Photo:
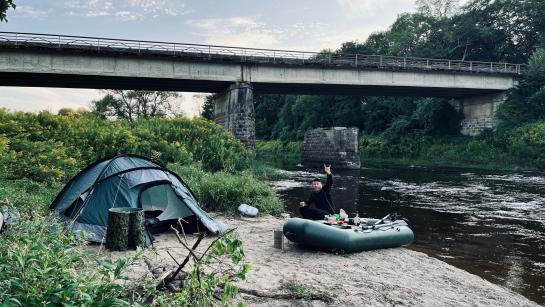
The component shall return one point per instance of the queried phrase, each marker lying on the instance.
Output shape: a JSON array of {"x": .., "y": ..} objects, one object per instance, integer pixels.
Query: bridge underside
[
  {"x": 210, "y": 86},
  {"x": 236, "y": 82}
]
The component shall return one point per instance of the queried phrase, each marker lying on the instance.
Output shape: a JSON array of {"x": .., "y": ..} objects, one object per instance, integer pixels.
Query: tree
[
  {"x": 267, "y": 109},
  {"x": 208, "y": 107},
  {"x": 503, "y": 30},
  {"x": 5, "y": 5},
  {"x": 437, "y": 8},
  {"x": 526, "y": 102},
  {"x": 71, "y": 111},
  {"x": 133, "y": 105}
]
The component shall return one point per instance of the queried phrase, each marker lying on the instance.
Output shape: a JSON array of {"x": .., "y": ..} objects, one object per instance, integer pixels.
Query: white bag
[
  {"x": 343, "y": 215},
  {"x": 248, "y": 210}
]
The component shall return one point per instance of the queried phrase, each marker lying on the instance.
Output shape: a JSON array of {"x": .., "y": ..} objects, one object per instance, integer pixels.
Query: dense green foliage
[
  {"x": 283, "y": 155},
  {"x": 526, "y": 102},
  {"x": 201, "y": 287},
  {"x": 42, "y": 265},
  {"x": 520, "y": 147},
  {"x": 428, "y": 129},
  {"x": 46, "y": 147},
  {"x": 208, "y": 107},
  {"x": 31, "y": 198},
  {"x": 51, "y": 149},
  {"x": 223, "y": 192}
]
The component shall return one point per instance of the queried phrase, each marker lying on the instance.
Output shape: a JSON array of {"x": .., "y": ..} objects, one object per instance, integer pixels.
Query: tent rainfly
[{"x": 129, "y": 181}]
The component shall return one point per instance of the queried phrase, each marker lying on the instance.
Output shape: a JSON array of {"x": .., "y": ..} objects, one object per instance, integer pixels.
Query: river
[{"x": 488, "y": 223}]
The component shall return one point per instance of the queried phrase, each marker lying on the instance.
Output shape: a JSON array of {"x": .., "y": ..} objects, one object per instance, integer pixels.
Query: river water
[{"x": 488, "y": 223}]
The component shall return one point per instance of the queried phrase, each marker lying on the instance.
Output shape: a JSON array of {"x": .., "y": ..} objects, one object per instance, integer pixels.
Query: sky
[{"x": 307, "y": 25}]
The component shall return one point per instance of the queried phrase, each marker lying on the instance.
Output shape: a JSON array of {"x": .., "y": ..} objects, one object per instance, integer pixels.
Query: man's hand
[
  {"x": 327, "y": 169},
  {"x": 302, "y": 204}
]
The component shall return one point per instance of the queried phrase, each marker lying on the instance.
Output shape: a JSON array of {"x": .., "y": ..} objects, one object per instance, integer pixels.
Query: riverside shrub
[
  {"x": 224, "y": 192},
  {"x": 30, "y": 198},
  {"x": 42, "y": 265},
  {"x": 46, "y": 147},
  {"x": 278, "y": 152}
]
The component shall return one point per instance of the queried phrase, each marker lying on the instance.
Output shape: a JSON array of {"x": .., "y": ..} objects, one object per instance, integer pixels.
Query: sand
[{"x": 388, "y": 277}]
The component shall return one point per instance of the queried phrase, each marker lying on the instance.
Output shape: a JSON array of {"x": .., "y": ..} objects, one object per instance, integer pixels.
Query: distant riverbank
[{"x": 519, "y": 150}]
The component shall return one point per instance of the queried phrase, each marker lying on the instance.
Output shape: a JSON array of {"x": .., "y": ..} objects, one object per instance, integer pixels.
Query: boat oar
[{"x": 382, "y": 219}]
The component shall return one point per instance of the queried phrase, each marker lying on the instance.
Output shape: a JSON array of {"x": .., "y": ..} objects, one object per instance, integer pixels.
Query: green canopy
[{"x": 127, "y": 181}]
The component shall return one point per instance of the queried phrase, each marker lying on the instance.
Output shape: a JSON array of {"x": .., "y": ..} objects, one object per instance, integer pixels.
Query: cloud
[
  {"x": 242, "y": 31},
  {"x": 27, "y": 11},
  {"x": 237, "y": 31},
  {"x": 32, "y": 99},
  {"x": 125, "y": 10},
  {"x": 358, "y": 8}
]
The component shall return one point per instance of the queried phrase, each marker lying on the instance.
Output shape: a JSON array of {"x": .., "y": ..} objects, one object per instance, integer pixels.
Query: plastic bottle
[{"x": 357, "y": 219}]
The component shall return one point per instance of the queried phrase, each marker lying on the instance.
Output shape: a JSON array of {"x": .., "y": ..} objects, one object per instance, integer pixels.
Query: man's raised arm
[{"x": 329, "y": 182}]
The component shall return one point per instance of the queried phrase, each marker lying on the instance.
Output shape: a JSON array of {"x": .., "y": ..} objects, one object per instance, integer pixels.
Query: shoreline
[{"x": 386, "y": 277}]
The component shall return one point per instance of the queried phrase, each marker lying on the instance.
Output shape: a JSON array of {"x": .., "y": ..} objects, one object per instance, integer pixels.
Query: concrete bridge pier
[
  {"x": 479, "y": 112},
  {"x": 234, "y": 110}
]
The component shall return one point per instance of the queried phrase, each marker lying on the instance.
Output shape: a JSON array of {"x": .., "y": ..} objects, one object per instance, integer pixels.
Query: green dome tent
[{"x": 128, "y": 181}]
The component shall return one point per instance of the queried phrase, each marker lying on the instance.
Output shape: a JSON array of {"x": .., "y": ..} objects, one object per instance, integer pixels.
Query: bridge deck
[{"x": 211, "y": 53}]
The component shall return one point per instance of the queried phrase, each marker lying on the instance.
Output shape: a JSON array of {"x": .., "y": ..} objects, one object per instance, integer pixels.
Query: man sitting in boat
[{"x": 321, "y": 198}]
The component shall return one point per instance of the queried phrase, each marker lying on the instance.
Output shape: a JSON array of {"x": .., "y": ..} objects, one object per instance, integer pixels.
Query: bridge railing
[{"x": 251, "y": 55}]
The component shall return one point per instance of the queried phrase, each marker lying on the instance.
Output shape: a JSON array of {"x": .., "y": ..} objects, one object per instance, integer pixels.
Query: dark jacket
[{"x": 322, "y": 199}]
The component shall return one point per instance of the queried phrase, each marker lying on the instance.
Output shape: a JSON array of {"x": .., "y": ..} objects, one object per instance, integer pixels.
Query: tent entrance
[
  {"x": 193, "y": 225},
  {"x": 160, "y": 201}
]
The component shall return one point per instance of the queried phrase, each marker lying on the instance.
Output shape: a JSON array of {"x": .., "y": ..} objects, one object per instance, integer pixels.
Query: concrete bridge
[{"x": 42, "y": 60}]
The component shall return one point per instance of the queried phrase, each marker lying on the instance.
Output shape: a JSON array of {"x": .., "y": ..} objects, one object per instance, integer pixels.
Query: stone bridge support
[
  {"x": 337, "y": 146},
  {"x": 234, "y": 110},
  {"x": 479, "y": 112}
]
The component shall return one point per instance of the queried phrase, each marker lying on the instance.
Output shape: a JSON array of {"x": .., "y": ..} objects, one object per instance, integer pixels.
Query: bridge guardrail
[{"x": 252, "y": 55}]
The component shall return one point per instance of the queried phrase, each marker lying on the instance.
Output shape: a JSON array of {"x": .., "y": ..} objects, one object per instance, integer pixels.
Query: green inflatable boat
[{"x": 373, "y": 234}]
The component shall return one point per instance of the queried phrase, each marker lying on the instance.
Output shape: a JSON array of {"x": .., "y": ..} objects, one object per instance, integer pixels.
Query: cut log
[
  {"x": 136, "y": 229},
  {"x": 125, "y": 229}
]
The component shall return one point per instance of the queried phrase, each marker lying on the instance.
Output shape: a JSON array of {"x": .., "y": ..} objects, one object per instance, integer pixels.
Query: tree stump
[{"x": 125, "y": 229}]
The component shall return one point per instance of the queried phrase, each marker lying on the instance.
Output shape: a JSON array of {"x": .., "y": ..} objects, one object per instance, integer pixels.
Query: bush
[
  {"x": 32, "y": 199},
  {"x": 41, "y": 160},
  {"x": 432, "y": 117},
  {"x": 215, "y": 271},
  {"x": 526, "y": 102},
  {"x": 527, "y": 143},
  {"x": 278, "y": 153},
  {"x": 42, "y": 265},
  {"x": 46, "y": 147},
  {"x": 224, "y": 192},
  {"x": 208, "y": 143}
]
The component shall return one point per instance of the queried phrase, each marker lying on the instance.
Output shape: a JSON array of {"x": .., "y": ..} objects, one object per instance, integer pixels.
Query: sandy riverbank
[{"x": 391, "y": 277}]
